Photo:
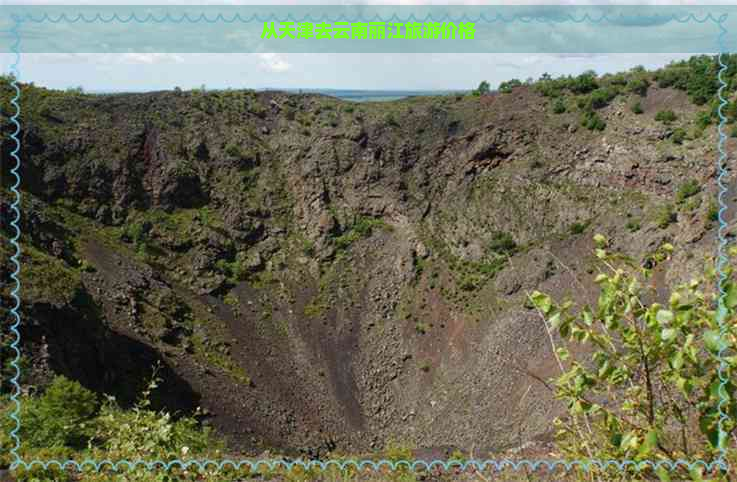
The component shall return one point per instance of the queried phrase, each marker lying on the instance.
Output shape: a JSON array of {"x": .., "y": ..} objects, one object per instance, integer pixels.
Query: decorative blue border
[
  {"x": 446, "y": 465},
  {"x": 15, "y": 71},
  {"x": 167, "y": 18},
  {"x": 722, "y": 244}
]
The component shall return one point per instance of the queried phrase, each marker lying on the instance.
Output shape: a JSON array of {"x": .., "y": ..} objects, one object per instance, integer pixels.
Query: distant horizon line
[{"x": 285, "y": 89}]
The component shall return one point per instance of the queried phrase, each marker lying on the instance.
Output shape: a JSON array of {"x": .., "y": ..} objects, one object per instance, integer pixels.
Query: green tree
[
  {"x": 483, "y": 89},
  {"x": 508, "y": 86},
  {"x": 584, "y": 83},
  {"x": 646, "y": 384}
]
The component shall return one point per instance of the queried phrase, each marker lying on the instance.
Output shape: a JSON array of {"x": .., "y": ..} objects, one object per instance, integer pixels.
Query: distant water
[{"x": 370, "y": 95}]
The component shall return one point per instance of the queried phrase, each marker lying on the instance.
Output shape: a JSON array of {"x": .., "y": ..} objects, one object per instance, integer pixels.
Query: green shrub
[
  {"x": 638, "y": 85},
  {"x": 148, "y": 434},
  {"x": 712, "y": 213},
  {"x": 656, "y": 367},
  {"x": 601, "y": 97},
  {"x": 391, "y": 121},
  {"x": 559, "y": 106},
  {"x": 67, "y": 422},
  {"x": 470, "y": 282},
  {"x": 637, "y": 108},
  {"x": 733, "y": 132},
  {"x": 703, "y": 119},
  {"x": 678, "y": 136},
  {"x": 633, "y": 225},
  {"x": 59, "y": 417},
  {"x": 578, "y": 228},
  {"x": 665, "y": 216},
  {"x": 308, "y": 247},
  {"x": 687, "y": 189},
  {"x": 584, "y": 83},
  {"x": 233, "y": 150},
  {"x": 549, "y": 87},
  {"x": 617, "y": 80},
  {"x": 666, "y": 116},
  {"x": 508, "y": 86},
  {"x": 593, "y": 122},
  {"x": 135, "y": 232},
  {"x": 502, "y": 243}
]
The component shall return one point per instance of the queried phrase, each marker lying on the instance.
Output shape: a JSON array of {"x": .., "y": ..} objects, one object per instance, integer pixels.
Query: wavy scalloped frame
[{"x": 446, "y": 465}]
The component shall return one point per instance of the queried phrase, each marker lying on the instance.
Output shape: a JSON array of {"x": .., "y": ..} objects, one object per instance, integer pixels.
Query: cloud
[
  {"x": 273, "y": 62},
  {"x": 131, "y": 58},
  {"x": 150, "y": 58}
]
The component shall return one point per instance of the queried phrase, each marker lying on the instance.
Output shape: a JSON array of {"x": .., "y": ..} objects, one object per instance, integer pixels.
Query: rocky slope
[{"x": 320, "y": 275}]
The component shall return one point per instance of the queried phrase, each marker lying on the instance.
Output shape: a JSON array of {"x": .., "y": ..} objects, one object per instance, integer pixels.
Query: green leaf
[
  {"x": 541, "y": 301},
  {"x": 713, "y": 341},
  {"x": 668, "y": 334},
  {"x": 730, "y": 295},
  {"x": 600, "y": 240},
  {"x": 696, "y": 473},
  {"x": 554, "y": 320},
  {"x": 588, "y": 318},
  {"x": 662, "y": 473},
  {"x": 664, "y": 317},
  {"x": 648, "y": 444},
  {"x": 675, "y": 298},
  {"x": 629, "y": 441},
  {"x": 616, "y": 439},
  {"x": 676, "y": 360}
]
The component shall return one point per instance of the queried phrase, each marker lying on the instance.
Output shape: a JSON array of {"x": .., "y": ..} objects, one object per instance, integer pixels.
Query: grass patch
[
  {"x": 687, "y": 189},
  {"x": 665, "y": 216},
  {"x": 578, "y": 228},
  {"x": 361, "y": 228}
]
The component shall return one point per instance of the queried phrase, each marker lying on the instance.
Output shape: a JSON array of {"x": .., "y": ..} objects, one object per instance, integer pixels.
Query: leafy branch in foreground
[
  {"x": 70, "y": 422},
  {"x": 644, "y": 383}
]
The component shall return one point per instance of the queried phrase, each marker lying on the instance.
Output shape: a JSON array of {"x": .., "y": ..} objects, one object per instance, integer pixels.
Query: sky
[{"x": 155, "y": 71}]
